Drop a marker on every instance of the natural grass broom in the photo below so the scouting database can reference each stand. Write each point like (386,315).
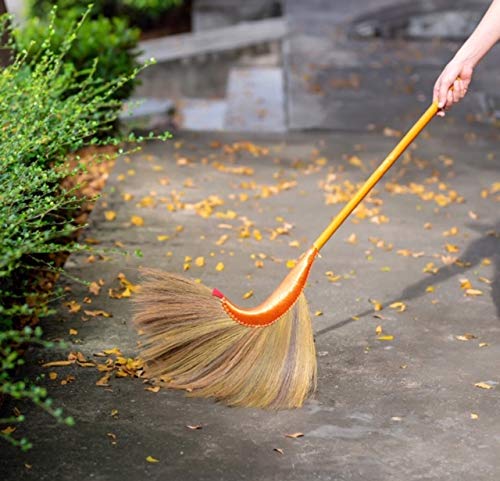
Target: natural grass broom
(196,339)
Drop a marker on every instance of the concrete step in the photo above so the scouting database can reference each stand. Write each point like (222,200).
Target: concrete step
(201,114)
(255,100)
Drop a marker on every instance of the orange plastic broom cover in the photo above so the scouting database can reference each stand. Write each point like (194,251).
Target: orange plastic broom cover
(279,302)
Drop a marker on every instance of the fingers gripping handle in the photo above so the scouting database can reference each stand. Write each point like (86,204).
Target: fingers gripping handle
(377,175)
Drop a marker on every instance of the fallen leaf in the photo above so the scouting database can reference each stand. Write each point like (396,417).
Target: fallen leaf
(8,430)
(222,239)
(466,337)
(98,313)
(58,363)
(73,332)
(219,267)
(247,295)
(451,248)
(199,261)
(150,459)
(112,437)
(473,292)
(137,220)
(474,416)
(115,351)
(483,385)
(400,306)
(451,232)
(318,313)
(110,215)
(52,375)
(352,239)
(377,306)
(430,289)
(114,413)
(294,435)
(73,306)
(385,338)
(279,451)
(103,381)
(162,237)
(291,263)
(94,288)
(194,427)
(153,388)
(378,330)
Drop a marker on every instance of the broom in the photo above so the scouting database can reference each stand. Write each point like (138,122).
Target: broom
(194,338)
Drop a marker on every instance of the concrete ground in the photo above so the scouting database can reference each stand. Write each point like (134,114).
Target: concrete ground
(405,393)
(404,408)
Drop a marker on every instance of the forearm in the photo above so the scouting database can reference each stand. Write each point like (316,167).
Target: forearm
(486,34)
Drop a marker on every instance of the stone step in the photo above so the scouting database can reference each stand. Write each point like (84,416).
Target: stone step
(201,114)
(255,100)
(211,42)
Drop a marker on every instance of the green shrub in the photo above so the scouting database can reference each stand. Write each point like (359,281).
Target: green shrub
(111,41)
(48,109)
(139,13)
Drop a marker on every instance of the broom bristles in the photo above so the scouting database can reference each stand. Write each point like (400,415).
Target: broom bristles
(189,342)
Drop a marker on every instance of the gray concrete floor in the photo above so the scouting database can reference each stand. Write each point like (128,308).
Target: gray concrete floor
(385,410)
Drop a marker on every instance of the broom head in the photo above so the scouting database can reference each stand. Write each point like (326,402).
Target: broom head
(192,341)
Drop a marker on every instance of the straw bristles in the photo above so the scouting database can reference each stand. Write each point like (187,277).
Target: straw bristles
(189,342)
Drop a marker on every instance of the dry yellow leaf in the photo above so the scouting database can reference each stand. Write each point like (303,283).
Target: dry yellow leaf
(378,330)
(257,234)
(153,388)
(377,306)
(474,416)
(52,375)
(94,288)
(73,306)
(127,197)
(199,261)
(294,435)
(291,263)
(115,351)
(483,385)
(150,459)
(194,427)
(356,161)
(222,239)
(352,239)
(430,289)
(473,292)
(73,332)
(385,338)
(162,237)
(247,295)
(137,220)
(98,313)
(110,215)
(465,284)
(466,337)
(318,313)
(219,267)
(103,381)
(400,306)
(430,268)
(451,232)
(294,243)
(58,363)
(451,248)
(486,261)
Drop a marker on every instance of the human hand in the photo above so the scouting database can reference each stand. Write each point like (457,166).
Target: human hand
(452,85)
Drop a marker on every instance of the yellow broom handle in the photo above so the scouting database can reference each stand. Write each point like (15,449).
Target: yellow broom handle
(376,176)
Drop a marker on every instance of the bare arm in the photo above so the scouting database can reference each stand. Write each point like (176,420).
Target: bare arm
(458,72)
